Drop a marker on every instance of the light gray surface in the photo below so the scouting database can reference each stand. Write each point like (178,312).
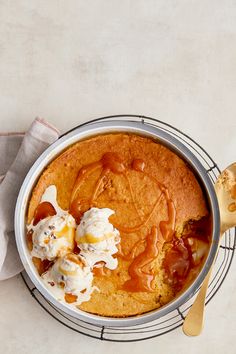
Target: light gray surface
(70,61)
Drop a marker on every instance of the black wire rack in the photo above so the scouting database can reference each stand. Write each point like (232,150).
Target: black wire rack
(175,318)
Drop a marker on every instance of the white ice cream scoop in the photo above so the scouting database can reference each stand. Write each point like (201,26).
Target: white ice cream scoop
(70,279)
(97,237)
(53,237)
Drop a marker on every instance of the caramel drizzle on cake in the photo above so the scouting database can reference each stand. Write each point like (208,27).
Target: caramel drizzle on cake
(140,270)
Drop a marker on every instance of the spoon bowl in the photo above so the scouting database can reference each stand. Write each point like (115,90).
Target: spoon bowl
(225,188)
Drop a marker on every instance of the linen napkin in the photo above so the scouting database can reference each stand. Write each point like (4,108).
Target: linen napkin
(18,151)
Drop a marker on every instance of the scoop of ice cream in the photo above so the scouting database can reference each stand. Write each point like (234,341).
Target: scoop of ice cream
(97,238)
(96,233)
(73,275)
(53,236)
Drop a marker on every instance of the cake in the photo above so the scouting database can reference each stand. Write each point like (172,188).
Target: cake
(148,220)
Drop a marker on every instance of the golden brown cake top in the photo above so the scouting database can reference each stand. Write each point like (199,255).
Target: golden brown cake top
(154,195)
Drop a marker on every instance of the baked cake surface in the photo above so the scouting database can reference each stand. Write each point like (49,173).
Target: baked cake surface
(160,212)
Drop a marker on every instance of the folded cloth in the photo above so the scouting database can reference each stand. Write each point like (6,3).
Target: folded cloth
(18,153)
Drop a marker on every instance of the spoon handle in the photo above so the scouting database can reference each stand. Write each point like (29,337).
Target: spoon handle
(193,323)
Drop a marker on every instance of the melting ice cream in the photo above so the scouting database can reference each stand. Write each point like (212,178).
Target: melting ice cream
(97,238)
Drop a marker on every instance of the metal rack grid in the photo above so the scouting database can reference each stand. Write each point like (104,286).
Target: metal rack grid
(174,319)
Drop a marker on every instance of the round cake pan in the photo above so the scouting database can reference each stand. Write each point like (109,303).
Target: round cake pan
(82,133)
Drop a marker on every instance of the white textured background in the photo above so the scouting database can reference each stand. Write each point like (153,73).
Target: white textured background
(70,61)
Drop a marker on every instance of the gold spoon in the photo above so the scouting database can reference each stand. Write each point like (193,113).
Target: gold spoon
(225,188)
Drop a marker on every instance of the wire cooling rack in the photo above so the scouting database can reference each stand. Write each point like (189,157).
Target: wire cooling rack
(175,318)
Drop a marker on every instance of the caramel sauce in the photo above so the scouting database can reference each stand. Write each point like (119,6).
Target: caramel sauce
(200,229)
(78,207)
(177,264)
(70,298)
(83,174)
(233,191)
(99,184)
(181,257)
(73,258)
(67,272)
(112,162)
(232,207)
(68,232)
(41,266)
(42,211)
(99,270)
(168,227)
(140,269)
(89,238)
(76,249)
(133,253)
(138,165)
(29,240)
